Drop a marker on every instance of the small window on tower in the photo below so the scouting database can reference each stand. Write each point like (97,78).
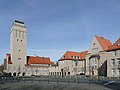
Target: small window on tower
(17,40)
(93,43)
(19,33)
(23,34)
(19,58)
(16,33)
(21,40)
(19,50)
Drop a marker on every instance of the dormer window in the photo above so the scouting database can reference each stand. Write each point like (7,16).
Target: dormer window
(75,57)
(78,57)
(72,56)
(119,44)
(63,57)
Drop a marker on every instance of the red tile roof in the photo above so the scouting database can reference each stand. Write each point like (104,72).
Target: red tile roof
(69,55)
(83,54)
(32,60)
(115,46)
(38,60)
(105,43)
(8,56)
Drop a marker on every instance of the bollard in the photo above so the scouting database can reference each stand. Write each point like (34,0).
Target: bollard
(32,80)
(89,83)
(48,81)
(78,82)
(24,80)
(6,79)
(11,79)
(68,81)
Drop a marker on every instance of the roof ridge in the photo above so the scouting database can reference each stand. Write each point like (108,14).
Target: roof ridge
(37,56)
(73,51)
(102,37)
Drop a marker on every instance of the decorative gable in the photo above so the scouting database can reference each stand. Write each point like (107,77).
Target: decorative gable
(95,46)
(99,44)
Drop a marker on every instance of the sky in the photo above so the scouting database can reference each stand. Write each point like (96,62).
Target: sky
(57,26)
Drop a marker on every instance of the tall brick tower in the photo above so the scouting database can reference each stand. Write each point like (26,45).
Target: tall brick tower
(18,48)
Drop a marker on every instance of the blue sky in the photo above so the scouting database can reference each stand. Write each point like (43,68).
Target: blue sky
(54,26)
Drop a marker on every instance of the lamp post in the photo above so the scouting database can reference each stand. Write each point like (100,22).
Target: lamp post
(62,72)
(98,57)
(36,71)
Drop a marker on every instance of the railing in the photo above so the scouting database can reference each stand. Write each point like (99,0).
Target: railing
(56,79)
(45,80)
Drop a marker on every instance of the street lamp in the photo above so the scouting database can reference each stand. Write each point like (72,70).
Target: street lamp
(98,57)
(36,71)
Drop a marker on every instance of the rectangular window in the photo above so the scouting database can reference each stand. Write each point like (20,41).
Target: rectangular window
(23,34)
(113,61)
(19,34)
(16,33)
(118,60)
(95,67)
(95,60)
(114,53)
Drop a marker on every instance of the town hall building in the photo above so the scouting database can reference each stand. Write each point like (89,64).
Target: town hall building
(101,59)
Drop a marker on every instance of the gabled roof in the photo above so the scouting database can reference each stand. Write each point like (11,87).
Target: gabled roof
(38,60)
(105,43)
(115,46)
(83,54)
(70,54)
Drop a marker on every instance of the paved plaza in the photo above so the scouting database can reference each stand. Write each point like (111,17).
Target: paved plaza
(37,83)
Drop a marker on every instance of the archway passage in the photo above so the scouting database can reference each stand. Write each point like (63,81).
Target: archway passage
(14,74)
(68,73)
(19,74)
(23,74)
(10,74)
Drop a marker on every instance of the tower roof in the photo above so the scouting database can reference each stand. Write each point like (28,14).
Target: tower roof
(19,22)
